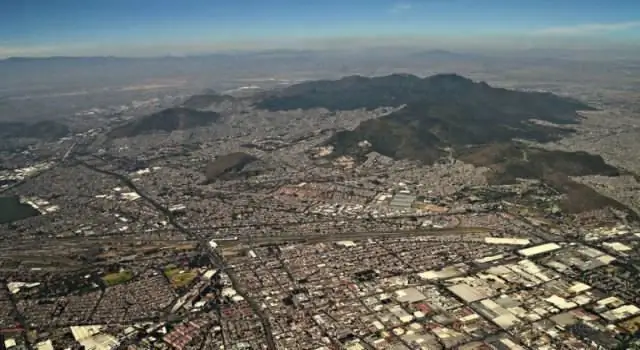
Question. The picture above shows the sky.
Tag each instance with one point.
(162, 27)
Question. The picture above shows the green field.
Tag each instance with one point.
(179, 277)
(115, 278)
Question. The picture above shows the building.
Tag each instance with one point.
(402, 201)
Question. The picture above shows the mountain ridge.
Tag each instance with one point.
(448, 114)
(205, 100)
(47, 130)
(167, 120)
(355, 92)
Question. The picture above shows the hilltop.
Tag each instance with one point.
(395, 90)
(441, 112)
(202, 101)
(168, 120)
(47, 130)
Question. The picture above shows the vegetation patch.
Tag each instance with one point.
(47, 130)
(179, 277)
(116, 278)
(168, 120)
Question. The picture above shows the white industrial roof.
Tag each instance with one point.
(539, 249)
(9, 343)
(467, 293)
(409, 295)
(507, 241)
(83, 332)
(100, 342)
(489, 258)
(621, 312)
(621, 247)
(45, 345)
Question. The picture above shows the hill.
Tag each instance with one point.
(203, 101)
(442, 111)
(513, 160)
(510, 161)
(168, 120)
(448, 114)
(48, 130)
(230, 165)
(395, 90)
(424, 130)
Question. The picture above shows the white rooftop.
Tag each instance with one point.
(539, 249)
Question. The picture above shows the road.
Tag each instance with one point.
(23, 246)
(460, 234)
(215, 257)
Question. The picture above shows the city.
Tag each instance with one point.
(292, 250)
(284, 175)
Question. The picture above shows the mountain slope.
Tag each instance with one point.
(47, 130)
(510, 161)
(447, 115)
(202, 101)
(399, 89)
(424, 130)
(168, 120)
(441, 112)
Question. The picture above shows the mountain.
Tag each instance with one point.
(168, 120)
(48, 130)
(395, 90)
(230, 165)
(510, 161)
(440, 112)
(206, 100)
(424, 130)
(449, 115)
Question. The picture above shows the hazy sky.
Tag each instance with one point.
(150, 27)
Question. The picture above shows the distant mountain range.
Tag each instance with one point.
(168, 120)
(445, 55)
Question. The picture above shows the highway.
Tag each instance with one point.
(460, 234)
(21, 245)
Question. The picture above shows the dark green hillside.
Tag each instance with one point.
(449, 114)
(205, 100)
(167, 120)
(444, 89)
(510, 161)
(47, 130)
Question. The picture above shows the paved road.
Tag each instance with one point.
(435, 234)
(226, 240)
(215, 257)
